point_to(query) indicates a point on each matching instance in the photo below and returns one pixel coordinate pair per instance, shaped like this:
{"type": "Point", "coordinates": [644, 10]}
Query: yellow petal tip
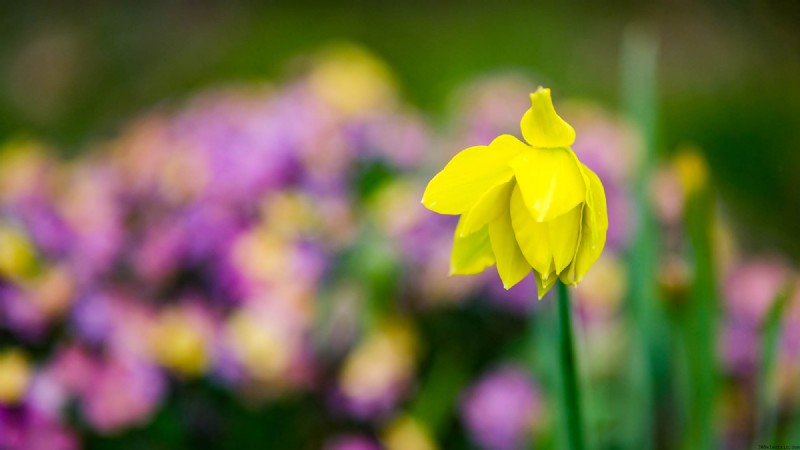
{"type": "Point", "coordinates": [542, 126]}
{"type": "Point", "coordinates": [541, 90]}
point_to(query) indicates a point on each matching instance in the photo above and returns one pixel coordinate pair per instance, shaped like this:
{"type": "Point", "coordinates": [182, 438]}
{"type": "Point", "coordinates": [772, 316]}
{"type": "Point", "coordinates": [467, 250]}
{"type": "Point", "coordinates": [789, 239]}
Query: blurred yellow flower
{"type": "Point", "coordinates": [398, 195]}
{"type": "Point", "coordinates": [263, 350]}
{"type": "Point", "coordinates": [691, 168]}
{"type": "Point", "coordinates": [178, 343]}
{"type": "Point", "coordinates": [15, 375]}
{"type": "Point", "coordinates": [352, 80]}
{"type": "Point", "coordinates": [290, 214]}
{"type": "Point", "coordinates": [606, 286]}
{"type": "Point", "coordinates": [524, 206]}
{"type": "Point", "coordinates": [406, 433]}
{"type": "Point", "coordinates": [24, 166]}
{"type": "Point", "coordinates": [384, 360]}
{"type": "Point", "coordinates": [17, 254]}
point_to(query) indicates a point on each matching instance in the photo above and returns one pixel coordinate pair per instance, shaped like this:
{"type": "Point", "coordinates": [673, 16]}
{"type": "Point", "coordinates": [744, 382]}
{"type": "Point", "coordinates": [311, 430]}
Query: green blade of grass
{"type": "Point", "coordinates": [767, 396]}
{"type": "Point", "coordinates": [702, 321]}
{"type": "Point", "coordinates": [640, 103]}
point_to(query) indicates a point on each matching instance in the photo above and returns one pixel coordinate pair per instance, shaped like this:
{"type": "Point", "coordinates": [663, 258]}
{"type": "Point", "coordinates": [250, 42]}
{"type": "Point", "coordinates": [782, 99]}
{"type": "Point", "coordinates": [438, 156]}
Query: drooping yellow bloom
{"type": "Point", "coordinates": [524, 206]}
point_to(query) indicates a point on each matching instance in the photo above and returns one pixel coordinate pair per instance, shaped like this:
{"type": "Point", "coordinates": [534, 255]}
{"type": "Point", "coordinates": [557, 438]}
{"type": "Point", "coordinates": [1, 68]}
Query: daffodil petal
{"type": "Point", "coordinates": [471, 253]}
{"type": "Point", "coordinates": [491, 205]}
{"type": "Point", "coordinates": [588, 252]}
{"type": "Point", "coordinates": [544, 284]}
{"type": "Point", "coordinates": [562, 233]}
{"type": "Point", "coordinates": [470, 174]}
{"type": "Point", "coordinates": [511, 264]}
{"type": "Point", "coordinates": [594, 225]}
{"type": "Point", "coordinates": [542, 127]}
{"type": "Point", "coordinates": [567, 275]}
{"type": "Point", "coordinates": [550, 180]}
{"type": "Point", "coordinates": [531, 235]}
{"type": "Point", "coordinates": [596, 198]}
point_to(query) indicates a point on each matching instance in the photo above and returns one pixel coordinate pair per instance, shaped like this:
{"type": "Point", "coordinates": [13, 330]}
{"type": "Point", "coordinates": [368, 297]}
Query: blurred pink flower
{"type": "Point", "coordinates": [120, 393]}
{"type": "Point", "coordinates": [751, 287]}
{"type": "Point", "coordinates": [666, 195]}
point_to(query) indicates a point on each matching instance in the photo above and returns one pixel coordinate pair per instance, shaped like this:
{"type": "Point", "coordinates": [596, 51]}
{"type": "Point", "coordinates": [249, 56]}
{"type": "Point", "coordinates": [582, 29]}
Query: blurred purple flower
{"type": "Point", "coordinates": [47, 394]}
{"type": "Point", "coordinates": [19, 314]}
{"type": "Point", "coordinates": [740, 347]}
{"type": "Point", "coordinates": [46, 227]}
{"type": "Point", "coordinates": [500, 409]}
{"type": "Point", "coordinates": [24, 428]}
{"type": "Point", "coordinates": [92, 318]}
{"type": "Point", "coordinates": [159, 254]}
{"type": "Point", "coordinates": [351, 442]}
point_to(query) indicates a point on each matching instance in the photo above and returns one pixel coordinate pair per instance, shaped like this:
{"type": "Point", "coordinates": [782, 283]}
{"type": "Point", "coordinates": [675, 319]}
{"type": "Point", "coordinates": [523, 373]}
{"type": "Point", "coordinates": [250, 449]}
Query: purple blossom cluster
{"type": "Point", "coordinates": [196, 242]}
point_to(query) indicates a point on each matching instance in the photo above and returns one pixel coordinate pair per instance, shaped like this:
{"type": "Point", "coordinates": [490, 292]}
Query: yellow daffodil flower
{"type": "Point", "coordinates": [524, 206]}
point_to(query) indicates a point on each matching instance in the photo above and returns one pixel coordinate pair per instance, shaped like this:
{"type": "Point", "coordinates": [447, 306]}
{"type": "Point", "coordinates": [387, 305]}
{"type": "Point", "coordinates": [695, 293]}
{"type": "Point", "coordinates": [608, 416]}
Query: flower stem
{"type": "Point", "coordinates": [570, 391]}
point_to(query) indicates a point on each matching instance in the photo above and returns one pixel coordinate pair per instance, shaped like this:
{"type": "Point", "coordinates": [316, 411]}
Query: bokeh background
{"type": "Point", "coordinates": [211, 235]}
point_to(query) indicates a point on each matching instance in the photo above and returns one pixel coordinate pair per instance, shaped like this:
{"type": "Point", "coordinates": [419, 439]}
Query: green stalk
{"type": "Point", "coordinates": [570, 390]}
{"type": "Point", "coordinates": [767, 396]}
{"type": "Point", "coordinates": [793, 422]}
